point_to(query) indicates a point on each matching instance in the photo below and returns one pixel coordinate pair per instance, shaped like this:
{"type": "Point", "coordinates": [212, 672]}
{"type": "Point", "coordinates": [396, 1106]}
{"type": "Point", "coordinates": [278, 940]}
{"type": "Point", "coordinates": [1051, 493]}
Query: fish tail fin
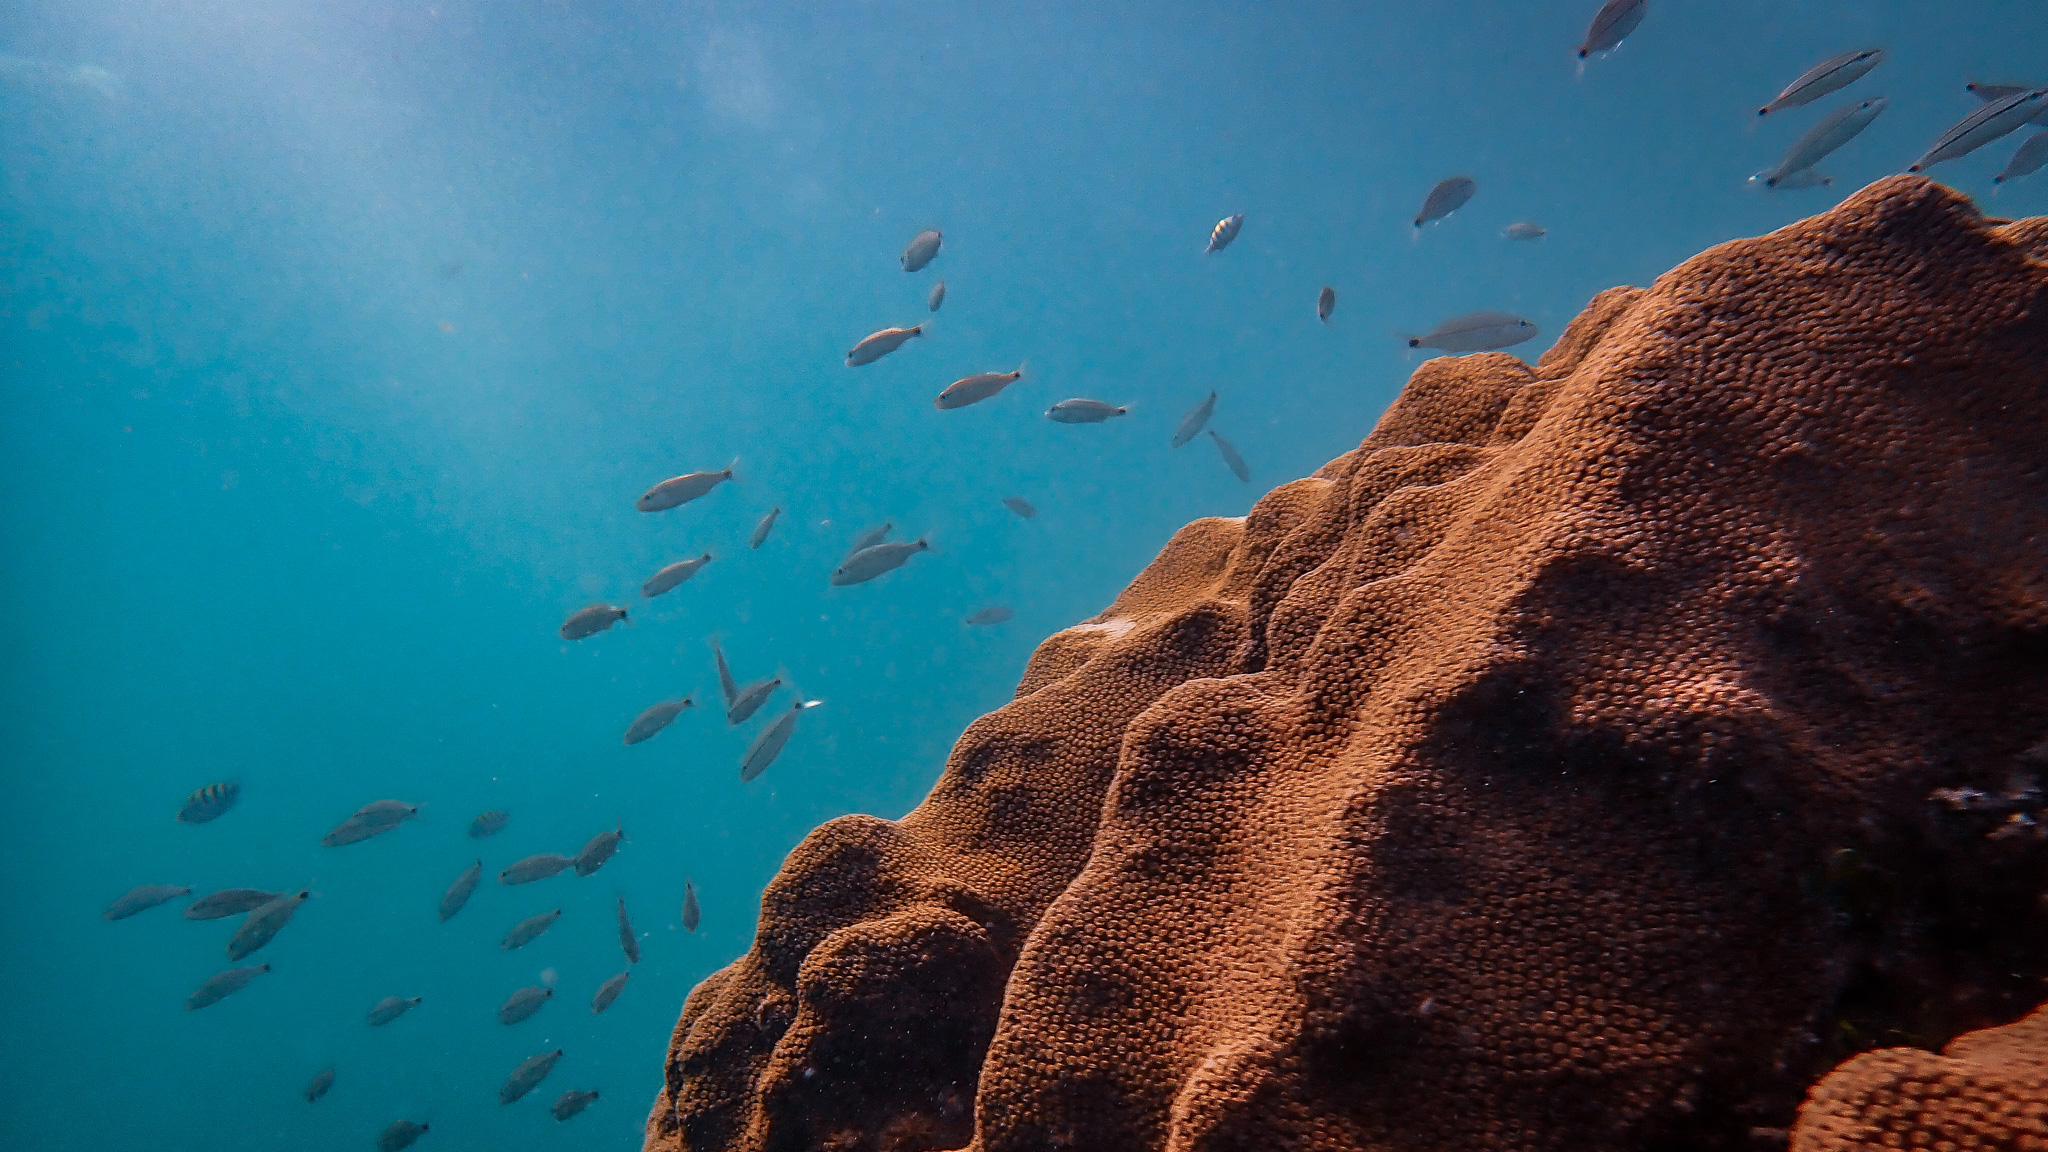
{"type": "Point", "coordinates": [1021, 365]}
{"type": "Point", "coordinates": [731, 470]}
{"type": "Point", "coordinates": [1579, 75]}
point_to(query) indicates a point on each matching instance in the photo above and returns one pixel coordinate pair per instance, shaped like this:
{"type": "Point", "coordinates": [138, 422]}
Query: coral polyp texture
{"type": "Point", "coordinates": [1987, 1090]}
{"type": "Point", "coordinates": [1593, 759]}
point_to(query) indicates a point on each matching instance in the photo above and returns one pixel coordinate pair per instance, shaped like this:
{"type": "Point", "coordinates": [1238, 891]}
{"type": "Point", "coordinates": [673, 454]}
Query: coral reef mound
{"type": "Point", "coordinates": [1592, 759]}
{"type": "Point", "coordinates": [1986, 1090]}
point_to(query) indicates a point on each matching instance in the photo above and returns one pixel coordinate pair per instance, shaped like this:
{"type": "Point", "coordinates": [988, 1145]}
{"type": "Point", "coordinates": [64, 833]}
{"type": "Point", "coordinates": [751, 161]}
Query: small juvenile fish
{"type": "Point", "coordinates": [489, 824]}
{"type": "Point", "coordinates": [1988, 123]}
{"type": "Point", "coordinates": [628, 939]}
{"type": "Point", "coordinates": [264, 923]}
{"type": "Point", "coordinates": [209, 803]}
{"type": "Point", "coordinates": [937, 297]}
{"type": "Point", "coordinates": [320, 1083]}
{"type": "Point", "coordinates": [921, 249]}
{"type": "Point", "coordinates": [600, 848]}
{"type": "Point", "coordinates": [458, 893]}
{"type": "Point", "coordinates": [608, 992]}
{"type": "Point", "coordinates": [1231, 458]}
{"type": "Point", "coordinates": [1326, 303]}
{"type": "Point", "coordinates": [995, 614]}
{"type": "Point", "coordinates": [531, 1071]}
{"type": "Point", "coordinates": [1523, 230]}
{"type": "Point", "coordinates": [223, 986]}
{"type": "Point", "coordinates": [229, 902]}
{"type": "Point", "coordinates": [587, 622]}
{"type": "Point", "coordinates": [657, 717]}
{"type": "Point", "coordinates": [1225, 231]}
{"type": "Point", "coordinates": [390, 1008]}
{"type": "Point", "coordinates": [1611, 25]}
{"type": "Point", "coordinates": [527, 930]}
{"type": "Point", "coordinates": [1831, 132]}
{"type": "Point", "coordinates": [870, 538]}
{"type": "Point", "coordinates": [679, 490]}
{"type": "Point", "coordinates": [1476, 332]}
{"type": "Point", "coordinates": [1021, 507]}
{"type": "Point", "coordinates": [142, 899]}
{"type": "Point", "coordinates": [869, 563]}
{"type": "Point", "coordinates": [1830, 75]}
{"type": "Point", "coordinates": [1079, 411]}
{"type": "Point", "coordinates": [571, 1102]}
{"type": "Point", "coordinates": [2033, 153]}
{"type": "Point", "coordinates": [1447, 197]}
{"type": "Point", "coordinates": [538, 866]}
{"type": "Point", "coordinates": [521, 1005]}
{"type": "Point", "coordinates": [976, 388]}
{"type": "Point", "coordinates": [1191, 425]}
{"type": "Point", "coordinates": [372, 819]}
{"type": "Point", "coordinates": [1792, 181]}
{"type": "Point", "coordinates": [750, 699]}
{"type": "Point", "coordinates": [690, 910]}
{"type": "Point", "coordinates": [399, 1135]}
{"type": "Point", "coordinates": [762, 529]}
{"type": "Point", "coordinates": [760, 755]}
{"type": "Point", "coordinates": [673, 575]}
{"type": "Point", "coordinates": [879, 344]}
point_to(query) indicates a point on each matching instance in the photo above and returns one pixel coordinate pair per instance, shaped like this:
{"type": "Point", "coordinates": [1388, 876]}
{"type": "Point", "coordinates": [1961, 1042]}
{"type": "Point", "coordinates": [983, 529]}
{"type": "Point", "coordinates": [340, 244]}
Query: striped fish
{"type": "Point", "coordinates": [1224, 232]}
{"type": "Point", "coordinates": [209, 803]}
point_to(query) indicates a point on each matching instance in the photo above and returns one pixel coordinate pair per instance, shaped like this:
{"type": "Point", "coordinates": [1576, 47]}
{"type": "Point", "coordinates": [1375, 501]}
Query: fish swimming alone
{"type": "Point", "coordinates": [388, 1009]}
{"type": "Point", "coordinates": [458, 893]}
{"type": "Point", "coordinates": [1475, 332]}
{"type": "Point", "coordinates": [1994, 119]}
{"type": "Point", "coordinates": [936, 297]}
{"type": "Point", "coordinates": [1326, 303]}
{"type": "Point", "coordinates": [229, 902]}
{"type": "Point", "coordinates": [673, 575]}
{"type": "Point", "coordinates": [608, 992]}
{"type": "Point", "coordinates": [1523, 230]}
{"type": "Point", "coordinates": [762, 529]}
{"type": "Point", "coordinates": [1231, 459]}
{"type": "Point", "coordinates": [654, 719]}
{"type": "Point", "coordinates": [691, 911]}
{"type": "Point", "coordinates": [1225, 231]}
{"type": "Point", "coordinates": [531, 1071]}
{"type": "Point", "coordinates": [1021, 507]}
{"type": "Point", "coordinates": [869, 563]}
{"type": "Point", "coordinates": [488, 824]}
{"type": "Point", "coordinates": [679, 490]}
{"type": "Point", "coordinates": [528, 930]}
{"type": "Point", "coordinates": [922, 248]}
{"type": "Point", "coordinates": [879, 344]}
{"type": "Point", "coordinates": [1829, 133]}
{"type": "Point", "coordinates": [209, 803]}
{"type": "Point", "coordinates": [263, 924]}
{"type": "Point", "coordinates": [319, 1085]}
{"type": "Point", "coordinates": [1611, 25]}
{"type": "Point", "coordinates": [628, 939]}
{"type": "Point", "coordinates": [599, 849]}
{"type": "Point", "coordinates": [2033, 152]}
{"type": "Point", "coordinates": [994, 614]}
{"type": "Point", "coordinates": [1447, 197]}
{"type": "Point", "coordinates": [571, 1102]}
{"type": "Point", "coordinates": [141, 899]}
{"type": "Point", "coordinates": [976, 388]}
{"type": "Point", "coordinates": [1830, 75]}
{"type": "Point", "coordinates": [372, 819]}
{"type": "Point", "coordinates": [399, 1135]}
{"type": "Point", "coordinates": [589, 621]}
{"type": "Point", "coordinates": [538, 866]}
{"type": "Point", "coordinates": [1083, 411]}
{"type": "Point", "coordinates": [1197, 418]}
{"type": "Point", "coordinates": [223, 986]}
{"type": "Point", "coordinates": [749, 700]}
{"type": "Point", "coordinates": [766, 747]}
{"type": "Point", "coordinates": [523, 1003]}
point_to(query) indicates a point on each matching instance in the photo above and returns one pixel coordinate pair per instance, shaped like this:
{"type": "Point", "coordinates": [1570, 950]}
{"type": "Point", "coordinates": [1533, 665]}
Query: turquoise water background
{"type": "Point", "coordinates": [339, 338]}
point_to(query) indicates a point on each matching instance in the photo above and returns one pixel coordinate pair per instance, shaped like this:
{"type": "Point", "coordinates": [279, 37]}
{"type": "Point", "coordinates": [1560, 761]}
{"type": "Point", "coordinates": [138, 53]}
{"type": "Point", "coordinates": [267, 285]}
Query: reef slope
{"type": "Point", "coordinates": [1592, 759]}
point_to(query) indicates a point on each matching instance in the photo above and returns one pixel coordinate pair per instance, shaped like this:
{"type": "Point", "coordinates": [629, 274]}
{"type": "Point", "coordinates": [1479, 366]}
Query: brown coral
{"type": "Point", "coordinates": [1557, 769]}
{"type": "Point", "coordinates": [1987, 1090]}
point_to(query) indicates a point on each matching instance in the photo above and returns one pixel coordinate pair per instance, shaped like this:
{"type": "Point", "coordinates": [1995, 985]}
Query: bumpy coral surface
{"type": "Point", "coordinates": [1592, 759]}
{"type": "Point", "coordinates": [1987, 1090]}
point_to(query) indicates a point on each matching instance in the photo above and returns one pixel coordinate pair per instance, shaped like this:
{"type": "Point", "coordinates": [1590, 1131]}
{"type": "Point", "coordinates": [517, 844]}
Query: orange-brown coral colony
{"type": "Point", "coordinates": [1592, 759]}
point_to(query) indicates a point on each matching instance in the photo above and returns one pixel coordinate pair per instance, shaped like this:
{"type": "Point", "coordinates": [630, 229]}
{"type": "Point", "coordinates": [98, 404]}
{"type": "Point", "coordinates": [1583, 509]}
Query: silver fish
{"type": "Point", "coordinates": [870, 538]}
{"type": "Point", "coordinates": [1326, 303]}
{"type": "Point", "coordinates": [869, 563]}
{"type": "Point", "coordinates": [679, 490]}
{"type": "Point", "coordinates": [530, 1072]}
{"type": "Point", "coordinates": [372, 819]}
{"type": "Point", "coordinates": [976, 388]}
{"type": "Point", "coordinates": [1476, 332]}
{"type": "Point", "coordinates": [1792, 181]}
{"type": "Point", "coordinates": [1447, 197]}
{"type": "Point", "coordinates": [691, 913]}
{"type": "Point", "coordinates": [1021, 507]}
{"type": "Point", "coordinates": [319, 1085]}
{"type": "Point", "coordinates": [142, 899]}
{"type": "Point", "coordinates": [489, 824]}
{"type": "Point", "coordinates": [994, 614]}
{"type": "Point", "coordinates": [765, 748]}
{"type": "Point", "coordinates": [390, 1008]}
{"type": "Point", "coordinates": [629, 940]}
{"type": "Point", "coordinates": [608, 992]}
{"type": "Point", "coordinates": [879, 344]}
{"type": "Point", "coordinates": [521, 1005]}
{"type": "Point", "coordinates": [2033, 152]}
{"type": "Point", "coordinates": [937, 296]}
{"type": "Point", "coordinates": [921, 249]}
{"type": "Point", "coordinates": [654, 719]}
{"type": "Point", "coordinates": [399, 1135]}
{"type": "Point", "coordinates": [538, 866]}
{"type": "Point", "coordinates": [1986, 93]}
{"type": "Point", "coordinates": [1611, 25]}
{"type": "Point", "coordinates": [600, 848]}
{"type": "Point", "coordinates": [1523, 230]}
{"type": "Point", "coordinates": [229, 902]}
{"type": "Point", "coordinates": [673, 575]}
{"type": "Point", "coordinates": [1831, 132]}
{"type": "Point", "coordinates": [1225, 231]}
{"type": "Point", "coordinates": [1830, 75]}
{"type": "Point", "coordinates": [223, 986]}
{"type": "Point", "coordinates": [1231, 458]}
{"type": "Point", "coordinates": [762, 529]}
{"type": "Point", "coordinates": [1988, 123]}
{"type": "Point", "coordinates": [529, 929]}
{"type": "Point", "coordinates": [209, 803]}
{"type": "Point", "coordinates": [571, 1102]}
{"type": "Point", "coordinates": [1191, 425]}
{"type": "Point", "coordinates": [263, 924]}
{"type": "Point", "coordinates": [587, 622]}
{"type": "Point", "coordinates": [1080, 411]}
{"type": "Point", "coordinates": [750, 699]}
{"type": "Point", "coordinates": [458, 893]}
{"type": "Point", "coordinates": [726, 687]}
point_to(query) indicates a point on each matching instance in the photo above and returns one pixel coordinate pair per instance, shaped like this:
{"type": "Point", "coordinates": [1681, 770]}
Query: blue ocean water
{"type": "Point", "coordinates": [338, 339]}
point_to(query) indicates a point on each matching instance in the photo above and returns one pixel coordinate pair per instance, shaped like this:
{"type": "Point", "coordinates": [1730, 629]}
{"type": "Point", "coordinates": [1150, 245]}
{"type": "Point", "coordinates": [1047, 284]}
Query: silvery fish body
{"type": "Point", "coordinates": [522, 1004]}
{"type": "Point", "coordinates": [2033, 152]}
{"type": "Point", "coordinates": [1231, 459]}
{"type": "Point", "coordinates": [1830, 75]}
{"type": "Point", "coordinates": [762, 529]}
{"type": "Point", "coordinates": [599, 849]}
{"type": "Point", "coordinates": [1476, 332]}
{"type": "Point", "coordinates": [1523, 230]}
{"type": "Point", "coordinates": [1326, 303]}
{"type": "Point", "coordinates": [141, 899]}
{"type": "Point", "coordinates": [223, 986]}
{"type": "Point", "coordinates": [1447, 197]}
{"type": "Point", "coordinates": [760, 755]}
{"type": "Point", "coordinates": [1792, 181]}
{"type": "Point", "coordinates": [869, 563]}
{"type": "Point", "coordinates": [264, 923]}
{"type": "Point", "coordinates": [657, 717]}
{"type": "Point", "coordinates": [1988, 123]}
{"type": "Point", "coordinates": [691, 912]}
{"type": "Point", "coordinates": [750, 699]}
{"type": "Point", "coordinates": [399, 1135]}
{"type": "Point", "coordinates": [573, 1101]}
{"type": "Point", "coordinates": [629, 940]}
{"type": "Point", "coordinates": [673, 575]}
{"type": "Point", "coordinates": [458, 893]}
{"type": "Point", "coordinates": [229, 902]}
{"type": "Point", "coordinates": [538, 866]}
{"type": "Point", "coordinates": [1986, 93]}
{"type": "Point", "coordinates": [488, 824]}
{"type": "Point", "coordinates": [1225, 231]}
{"type": "Point", "coordinates": [1082, 411]}
{"type": "Point", "coordinates": [589, 621]}
{"type": "Point", "coordinates": [726, 687]}
{"type": "Point", "coordinates": [388, 1009]}
{"type": "Point", "coordinates": [870, 538]}
{"type": "Point", "coordinates": [936, 297]}
{"type": "Point", "coordinates": [877, 345]}
{"type": "Point", "coordinates": [1197, 418]}
{"type": "Point", "coordinates": [976, 388]}
{"type": "Point", "coordinates": [608, 992]}
{"type": "Point", "coordinates": [994, 614]}
{"type": "Point", "coordinates": [319, 1085]}
{"type": "Point", "coordinates": [1611, 25]}
{"type": "Point", "coordinates": [529, 929]}
{"type": "Point", "coordinates": [1831, 132]}
{"type": "Point", "coordinates": [1021, 507]}
{"type": "Point", "coordinates": [920, 251]}
{"type": "Point", "coordinates": [209, 803]}
{"type": "Point", "coordinates": [373, 819]}
{"type": "Point", "coordinates": [679, 490]}
{"type": "Point", "coordinates": [530, 1072]}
